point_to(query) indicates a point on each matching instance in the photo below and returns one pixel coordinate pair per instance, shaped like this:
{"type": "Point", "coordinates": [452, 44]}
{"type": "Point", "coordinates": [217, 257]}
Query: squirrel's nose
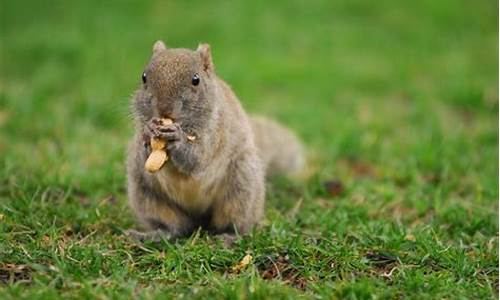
{"type": "Point", "coordinates": [164, 109]}
{"type": "Point", "coordinates": [169, 107]}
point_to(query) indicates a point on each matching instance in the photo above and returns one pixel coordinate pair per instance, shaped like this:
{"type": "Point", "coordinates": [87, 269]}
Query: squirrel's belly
{"type": "Point", "coordinates": [192, 194]}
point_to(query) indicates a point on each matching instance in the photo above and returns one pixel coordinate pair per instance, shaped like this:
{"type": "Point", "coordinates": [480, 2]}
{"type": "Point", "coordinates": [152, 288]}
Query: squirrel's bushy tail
{"type": "Point", "coordinates": [279, 148]}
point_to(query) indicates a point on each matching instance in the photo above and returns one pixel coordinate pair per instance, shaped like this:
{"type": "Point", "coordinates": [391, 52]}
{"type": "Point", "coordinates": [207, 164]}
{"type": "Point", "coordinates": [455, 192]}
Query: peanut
{"type": "Point", "coordinates": [158, 156]}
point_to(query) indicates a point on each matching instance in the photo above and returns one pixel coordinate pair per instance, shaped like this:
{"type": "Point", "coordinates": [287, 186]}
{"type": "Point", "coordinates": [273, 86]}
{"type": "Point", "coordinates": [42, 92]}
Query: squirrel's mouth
{"type": "Point", "coordinates": [163, 112]}
{"type": "Point", "coordinates": [167, 116]}
{"type": "Point", "coordinates": [169, 109]}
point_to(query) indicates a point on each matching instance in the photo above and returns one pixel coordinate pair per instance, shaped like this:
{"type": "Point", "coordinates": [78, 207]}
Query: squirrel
{"type": "Point", "coordinates": [215, 181]}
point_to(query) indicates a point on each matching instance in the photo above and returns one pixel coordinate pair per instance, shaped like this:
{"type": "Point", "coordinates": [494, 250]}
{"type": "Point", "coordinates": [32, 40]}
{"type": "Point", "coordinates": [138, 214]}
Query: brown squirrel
{"type": "Point", "coordinates": [215, 180]}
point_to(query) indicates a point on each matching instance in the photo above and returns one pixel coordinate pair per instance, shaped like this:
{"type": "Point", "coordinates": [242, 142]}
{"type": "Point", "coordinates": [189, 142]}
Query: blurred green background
{"type": "Point", "coordinates": [397, 101]}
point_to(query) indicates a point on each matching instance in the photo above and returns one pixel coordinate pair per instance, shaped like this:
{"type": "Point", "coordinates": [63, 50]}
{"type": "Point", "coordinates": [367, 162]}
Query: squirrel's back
{"type": "Point", "coordinates": [278, 147]}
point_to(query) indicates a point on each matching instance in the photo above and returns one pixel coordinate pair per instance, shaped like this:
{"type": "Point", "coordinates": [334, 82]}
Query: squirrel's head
{"type": "Point", "coordinates": [180, 82]}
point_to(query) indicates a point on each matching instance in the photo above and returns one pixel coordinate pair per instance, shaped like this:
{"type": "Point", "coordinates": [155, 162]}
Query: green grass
{"type": "Point", "coordinates": [397, 100]}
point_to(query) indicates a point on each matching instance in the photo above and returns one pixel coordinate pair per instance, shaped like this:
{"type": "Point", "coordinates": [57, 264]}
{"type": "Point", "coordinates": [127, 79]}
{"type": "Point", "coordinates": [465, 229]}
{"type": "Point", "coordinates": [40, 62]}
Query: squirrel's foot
{"type": "Point", "coordinates": [152, 236]}
{"type": "Point", "coordinates": [227, 239]}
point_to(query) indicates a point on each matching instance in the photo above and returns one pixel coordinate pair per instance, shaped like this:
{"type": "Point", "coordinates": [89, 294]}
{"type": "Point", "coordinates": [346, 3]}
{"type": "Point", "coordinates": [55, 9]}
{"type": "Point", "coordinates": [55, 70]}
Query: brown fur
{"type": "Point", "coordinates": [217, 180]}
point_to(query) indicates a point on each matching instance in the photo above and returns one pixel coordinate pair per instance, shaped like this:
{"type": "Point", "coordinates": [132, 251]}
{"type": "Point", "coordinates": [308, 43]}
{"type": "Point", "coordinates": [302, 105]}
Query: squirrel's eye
{"type": "Point", "coordinates": [144, 77]}
{"type": "Point", "coordinates": [196, 79]}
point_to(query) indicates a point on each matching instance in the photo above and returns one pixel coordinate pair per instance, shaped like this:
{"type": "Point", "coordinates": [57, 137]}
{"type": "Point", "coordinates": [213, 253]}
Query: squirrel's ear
{"type": "Point", "coordinates": [206, 56]}
{"type": "Point", "coordinates": [159, 46]}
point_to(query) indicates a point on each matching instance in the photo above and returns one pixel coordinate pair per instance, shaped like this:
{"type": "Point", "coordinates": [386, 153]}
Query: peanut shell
{"type": "Point", "coordinates": [158, 156]}
{"type": "Point", "coordinates": [158, 144]}
{"type": "Point", "coordinates": [155, 160]}
{"type": "Point", "coordinates": [166, 121]}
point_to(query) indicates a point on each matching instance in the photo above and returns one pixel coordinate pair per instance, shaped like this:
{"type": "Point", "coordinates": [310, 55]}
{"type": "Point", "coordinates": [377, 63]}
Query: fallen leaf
{"type": "Point", "coordinates": [46, 239]}
{"type": "Point", "coordinates": [242, 264]}
{"type": "Point", "coordinates": [410, 237]}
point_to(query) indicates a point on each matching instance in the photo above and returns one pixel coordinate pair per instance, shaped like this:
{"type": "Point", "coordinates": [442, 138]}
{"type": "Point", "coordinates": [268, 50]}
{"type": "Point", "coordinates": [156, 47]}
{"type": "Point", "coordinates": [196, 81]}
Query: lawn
{"type": "Point", "coordinates": [396, 101]}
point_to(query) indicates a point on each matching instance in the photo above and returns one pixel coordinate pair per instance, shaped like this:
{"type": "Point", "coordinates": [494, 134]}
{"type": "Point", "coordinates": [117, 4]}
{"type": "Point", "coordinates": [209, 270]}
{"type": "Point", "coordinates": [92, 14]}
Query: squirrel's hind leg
{"type": "Point", "coordinates": [160, 218]}
{"type": "Point", "coordinates": [241, 205]}
{"type": "Point", "coordinates": [153, 235]}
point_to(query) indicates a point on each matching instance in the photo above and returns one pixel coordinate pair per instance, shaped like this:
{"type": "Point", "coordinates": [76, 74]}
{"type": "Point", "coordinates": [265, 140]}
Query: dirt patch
{"type": "Point", "coordinates": [82, 197]}
{"type": "Point", "coordinates": [12, 273]}
{"type": "Point", "coordinates": [380, 258]}
{"type": "Point", "coordinates": [359, 168]}
{"type": "Point", "coordinates": [433, 178]}
{"type": "Point", "coordinates": [334, 187]}
{"type": "Point", "coordinates": [383, 263]}
{"type": "Point", "coordinates": [280, 268]}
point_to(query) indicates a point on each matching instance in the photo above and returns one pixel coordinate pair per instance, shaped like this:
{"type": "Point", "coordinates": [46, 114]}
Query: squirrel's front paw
{"type": "Point", "coordinates": [150, 130]}
{"type": "Point", "coordinates": [178, 146]}
{"type": "Point", "coordinates": [171, 133]}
